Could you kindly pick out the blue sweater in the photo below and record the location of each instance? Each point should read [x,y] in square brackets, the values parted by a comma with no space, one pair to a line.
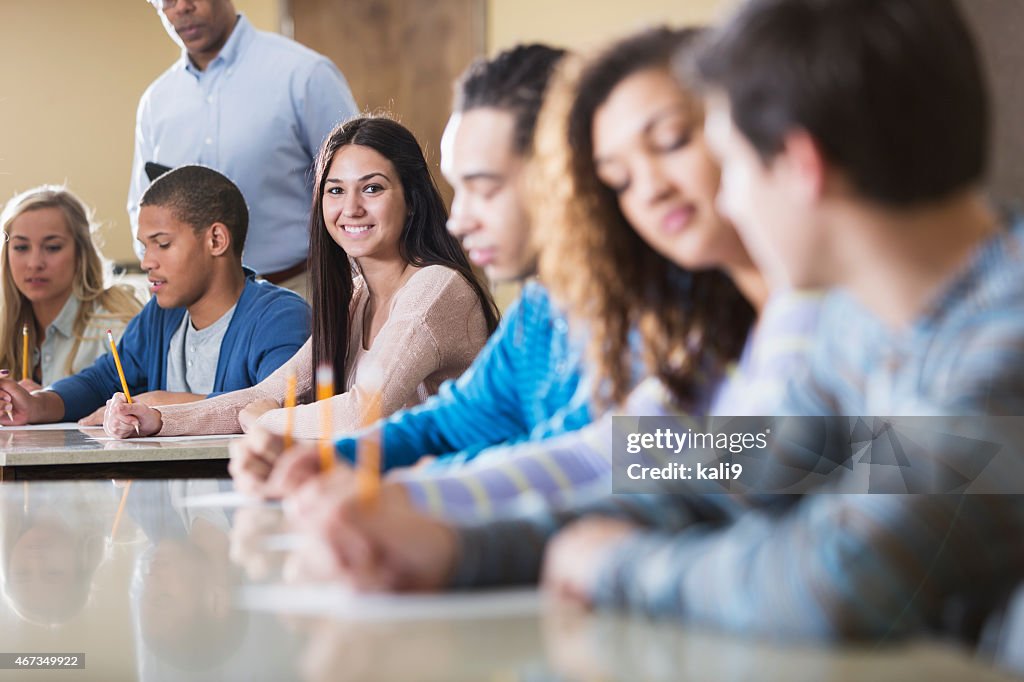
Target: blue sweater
[268,327]
[524,385]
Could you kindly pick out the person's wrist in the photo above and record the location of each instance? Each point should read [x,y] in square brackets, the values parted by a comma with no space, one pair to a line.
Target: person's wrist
[44,407]
[452,552]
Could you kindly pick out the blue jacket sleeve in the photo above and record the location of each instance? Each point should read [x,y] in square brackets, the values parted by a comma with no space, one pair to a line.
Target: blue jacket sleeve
[478,409]
[289,318]
[88,390]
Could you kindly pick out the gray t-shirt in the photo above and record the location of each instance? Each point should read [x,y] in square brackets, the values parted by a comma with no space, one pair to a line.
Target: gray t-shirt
[193,354]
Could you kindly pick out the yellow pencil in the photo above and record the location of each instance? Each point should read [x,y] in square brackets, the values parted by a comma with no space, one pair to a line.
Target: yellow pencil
[120,509]
[368,448]
[289,406]
[120,373]
[24,352]
[324,393]
[368,452]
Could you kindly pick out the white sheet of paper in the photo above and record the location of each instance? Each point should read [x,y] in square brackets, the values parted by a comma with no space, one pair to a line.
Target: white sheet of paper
[339,602]
[282,542]
[63,426]
[226,499]
[170,439]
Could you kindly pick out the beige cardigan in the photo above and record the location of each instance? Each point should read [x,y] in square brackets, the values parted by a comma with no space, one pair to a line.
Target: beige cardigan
[434,331]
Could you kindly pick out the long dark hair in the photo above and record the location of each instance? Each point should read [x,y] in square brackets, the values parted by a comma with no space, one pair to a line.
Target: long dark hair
[690,322]
[424,240]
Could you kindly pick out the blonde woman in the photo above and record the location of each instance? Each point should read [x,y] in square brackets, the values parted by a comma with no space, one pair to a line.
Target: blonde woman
[53,285]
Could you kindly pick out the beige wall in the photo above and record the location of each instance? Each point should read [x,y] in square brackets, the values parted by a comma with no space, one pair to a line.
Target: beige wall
[73,73]
[582,24]
[72,76]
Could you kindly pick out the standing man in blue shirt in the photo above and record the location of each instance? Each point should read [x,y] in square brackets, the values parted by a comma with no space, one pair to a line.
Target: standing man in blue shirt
[256,107]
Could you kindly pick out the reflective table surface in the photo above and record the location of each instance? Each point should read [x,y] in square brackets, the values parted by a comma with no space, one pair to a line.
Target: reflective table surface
[176,587]
[70,451]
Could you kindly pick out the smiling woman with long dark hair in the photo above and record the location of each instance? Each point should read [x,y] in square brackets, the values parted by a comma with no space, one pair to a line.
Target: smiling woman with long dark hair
[391,291]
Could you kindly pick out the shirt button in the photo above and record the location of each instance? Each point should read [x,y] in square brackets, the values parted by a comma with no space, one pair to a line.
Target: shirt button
[189,363]
[209,140]
[192,348]
[209,99]
[47,358]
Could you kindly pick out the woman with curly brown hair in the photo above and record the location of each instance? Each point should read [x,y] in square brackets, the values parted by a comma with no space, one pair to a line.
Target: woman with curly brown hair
[637,246]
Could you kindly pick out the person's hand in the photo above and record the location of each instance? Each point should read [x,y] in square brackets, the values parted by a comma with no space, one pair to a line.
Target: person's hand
[576,556]
[30,385]
[295,467]
[254,410]
[124,420]
[249,532]
[97,417]
[256,457]
[16,404]
[383,545]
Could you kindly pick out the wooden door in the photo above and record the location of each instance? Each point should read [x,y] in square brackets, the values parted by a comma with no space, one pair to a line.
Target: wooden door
[398,55]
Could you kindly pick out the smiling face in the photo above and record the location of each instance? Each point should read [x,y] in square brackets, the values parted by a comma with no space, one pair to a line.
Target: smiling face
[364,203]
[649,149]
[488,216]
[176,259]
[41,255]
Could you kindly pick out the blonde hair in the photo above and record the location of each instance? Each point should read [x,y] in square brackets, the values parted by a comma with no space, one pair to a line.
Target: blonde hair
[88,285]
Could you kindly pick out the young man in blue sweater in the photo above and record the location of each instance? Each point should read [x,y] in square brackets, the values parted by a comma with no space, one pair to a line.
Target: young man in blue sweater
[525,384]
[210,326]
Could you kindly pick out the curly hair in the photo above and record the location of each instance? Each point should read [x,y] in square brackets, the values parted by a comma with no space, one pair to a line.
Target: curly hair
[691,324]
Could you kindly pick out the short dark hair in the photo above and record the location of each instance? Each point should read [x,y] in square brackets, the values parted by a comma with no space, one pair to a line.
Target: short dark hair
[514,81]
[892,90]
[200,196]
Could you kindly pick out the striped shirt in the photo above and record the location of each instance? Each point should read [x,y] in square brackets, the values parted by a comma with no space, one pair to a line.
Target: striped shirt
[577,465]
[524,385]
[831,565]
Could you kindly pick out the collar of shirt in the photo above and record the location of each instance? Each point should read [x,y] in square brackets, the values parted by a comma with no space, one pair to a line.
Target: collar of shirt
[240,36]
[65,321]
[991,270]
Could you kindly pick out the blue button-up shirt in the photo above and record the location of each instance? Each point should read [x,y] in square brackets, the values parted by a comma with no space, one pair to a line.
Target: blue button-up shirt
[258,114]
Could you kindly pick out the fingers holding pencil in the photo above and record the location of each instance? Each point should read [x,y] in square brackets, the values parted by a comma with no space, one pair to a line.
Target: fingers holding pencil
[120,373]
[15,401]
[123,419]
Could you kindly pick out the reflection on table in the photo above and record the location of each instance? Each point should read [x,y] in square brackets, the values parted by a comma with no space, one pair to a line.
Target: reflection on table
[159,602]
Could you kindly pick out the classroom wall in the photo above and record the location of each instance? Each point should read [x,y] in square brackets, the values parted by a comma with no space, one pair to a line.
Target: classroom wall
[582,24]
[73,73]
[72,76]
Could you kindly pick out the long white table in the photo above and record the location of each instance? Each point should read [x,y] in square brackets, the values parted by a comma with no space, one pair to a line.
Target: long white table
[67,451]
[189,590]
